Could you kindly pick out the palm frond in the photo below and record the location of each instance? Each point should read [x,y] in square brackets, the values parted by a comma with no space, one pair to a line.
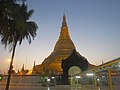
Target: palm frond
[16,25]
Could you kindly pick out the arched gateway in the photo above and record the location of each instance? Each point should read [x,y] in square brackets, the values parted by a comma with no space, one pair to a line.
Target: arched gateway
[74,64]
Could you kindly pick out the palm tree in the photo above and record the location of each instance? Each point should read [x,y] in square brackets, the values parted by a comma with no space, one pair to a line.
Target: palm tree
[8,11]
[18,28]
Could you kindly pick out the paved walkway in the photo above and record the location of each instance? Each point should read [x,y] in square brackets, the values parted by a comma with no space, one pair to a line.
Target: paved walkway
[57,87]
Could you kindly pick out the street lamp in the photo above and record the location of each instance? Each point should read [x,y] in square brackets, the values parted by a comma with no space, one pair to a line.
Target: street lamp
[9,60]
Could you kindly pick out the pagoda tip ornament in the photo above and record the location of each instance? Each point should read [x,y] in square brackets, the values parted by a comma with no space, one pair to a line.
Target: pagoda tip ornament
[64,24]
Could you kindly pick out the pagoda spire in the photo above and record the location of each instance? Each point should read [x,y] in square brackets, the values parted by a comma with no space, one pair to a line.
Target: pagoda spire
[64,42]
[34,69]
[34,65]
[64,24]
[22,68]
[64,34]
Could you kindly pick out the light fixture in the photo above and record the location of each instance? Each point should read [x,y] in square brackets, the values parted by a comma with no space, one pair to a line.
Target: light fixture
[48,79]
[89,74]
[98,79]
[52,77]
[77,76]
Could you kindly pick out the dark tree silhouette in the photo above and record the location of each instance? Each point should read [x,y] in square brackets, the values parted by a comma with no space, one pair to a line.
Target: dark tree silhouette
[15,26]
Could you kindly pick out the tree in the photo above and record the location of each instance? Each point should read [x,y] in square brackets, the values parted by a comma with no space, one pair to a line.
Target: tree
[15,26]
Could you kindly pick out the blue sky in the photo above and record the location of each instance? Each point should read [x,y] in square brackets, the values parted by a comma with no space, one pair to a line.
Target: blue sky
[94,27]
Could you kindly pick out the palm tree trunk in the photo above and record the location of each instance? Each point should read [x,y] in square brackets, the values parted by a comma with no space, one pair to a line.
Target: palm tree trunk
[11,67]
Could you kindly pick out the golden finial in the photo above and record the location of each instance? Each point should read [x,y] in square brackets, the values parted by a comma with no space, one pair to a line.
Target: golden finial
[64,24]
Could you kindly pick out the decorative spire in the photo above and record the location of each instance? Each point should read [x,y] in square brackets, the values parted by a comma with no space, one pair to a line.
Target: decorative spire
[34,69]
[64,24]
[64,42]
[64,34]
[23,68]
[34,64]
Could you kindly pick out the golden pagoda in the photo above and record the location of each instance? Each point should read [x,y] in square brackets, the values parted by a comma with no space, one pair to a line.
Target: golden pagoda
[22,72]
[33,71]
[63,48]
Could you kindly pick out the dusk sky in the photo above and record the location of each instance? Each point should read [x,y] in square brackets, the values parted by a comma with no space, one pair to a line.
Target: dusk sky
[94,27]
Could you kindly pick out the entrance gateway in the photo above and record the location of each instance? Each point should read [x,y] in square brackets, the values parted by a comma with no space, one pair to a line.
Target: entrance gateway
[72,65]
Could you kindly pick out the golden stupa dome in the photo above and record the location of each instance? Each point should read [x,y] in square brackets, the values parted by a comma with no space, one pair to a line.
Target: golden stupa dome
[63,48]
